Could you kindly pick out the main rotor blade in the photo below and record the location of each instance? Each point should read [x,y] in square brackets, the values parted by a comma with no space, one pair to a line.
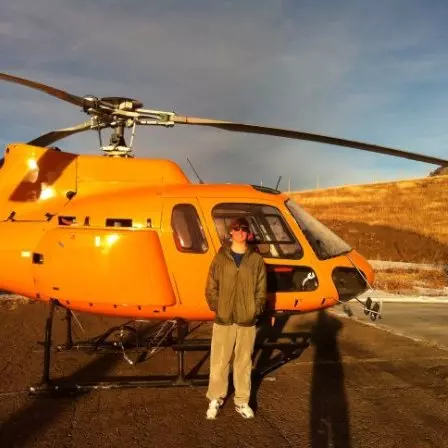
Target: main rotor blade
[298,135]
[54,136]
[65,96]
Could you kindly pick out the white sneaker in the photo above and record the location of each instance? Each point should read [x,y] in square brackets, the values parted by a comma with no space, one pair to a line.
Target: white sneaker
[244,410]
[213,409]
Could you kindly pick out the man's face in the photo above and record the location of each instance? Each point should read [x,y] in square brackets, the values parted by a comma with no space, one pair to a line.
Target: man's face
[239,234]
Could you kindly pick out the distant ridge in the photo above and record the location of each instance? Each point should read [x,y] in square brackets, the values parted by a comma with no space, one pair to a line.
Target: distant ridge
[404,220]
[443,172]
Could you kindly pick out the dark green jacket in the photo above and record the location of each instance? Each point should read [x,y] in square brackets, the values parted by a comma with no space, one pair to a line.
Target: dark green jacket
[236,295]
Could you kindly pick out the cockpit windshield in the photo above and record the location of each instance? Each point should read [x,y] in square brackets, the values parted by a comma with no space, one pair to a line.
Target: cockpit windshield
[324,242]
[269,231]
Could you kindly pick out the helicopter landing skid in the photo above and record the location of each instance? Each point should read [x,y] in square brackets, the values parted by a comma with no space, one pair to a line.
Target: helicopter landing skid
[373,308]
[100,345]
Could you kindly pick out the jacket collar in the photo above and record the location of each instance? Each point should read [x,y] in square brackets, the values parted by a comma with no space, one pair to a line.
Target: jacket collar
[226,249]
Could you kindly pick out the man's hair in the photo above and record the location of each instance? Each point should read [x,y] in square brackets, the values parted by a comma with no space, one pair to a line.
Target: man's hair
[238,222]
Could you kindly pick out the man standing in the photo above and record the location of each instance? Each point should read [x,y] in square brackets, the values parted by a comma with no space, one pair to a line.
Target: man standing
[236,292]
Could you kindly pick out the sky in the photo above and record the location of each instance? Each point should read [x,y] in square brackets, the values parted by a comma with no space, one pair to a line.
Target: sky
[375,71]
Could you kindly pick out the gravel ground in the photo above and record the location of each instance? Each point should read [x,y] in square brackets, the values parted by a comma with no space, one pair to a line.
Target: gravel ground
[353,386]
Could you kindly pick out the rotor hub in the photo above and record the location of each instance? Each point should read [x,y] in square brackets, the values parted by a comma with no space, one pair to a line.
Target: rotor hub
[123,103]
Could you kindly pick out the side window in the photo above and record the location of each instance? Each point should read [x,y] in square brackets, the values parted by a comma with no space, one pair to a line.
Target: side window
[188,234]
[269,231]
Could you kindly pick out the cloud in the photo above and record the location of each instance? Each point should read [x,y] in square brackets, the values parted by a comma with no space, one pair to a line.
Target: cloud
[351,69]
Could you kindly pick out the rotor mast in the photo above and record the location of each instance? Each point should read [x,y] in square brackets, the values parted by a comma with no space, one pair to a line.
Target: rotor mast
[126,113]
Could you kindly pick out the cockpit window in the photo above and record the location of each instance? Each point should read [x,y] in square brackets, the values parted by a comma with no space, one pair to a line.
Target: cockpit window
[269,231]
[324,242]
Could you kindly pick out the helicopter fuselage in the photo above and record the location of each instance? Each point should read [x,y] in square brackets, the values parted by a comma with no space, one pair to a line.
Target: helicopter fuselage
[135,238]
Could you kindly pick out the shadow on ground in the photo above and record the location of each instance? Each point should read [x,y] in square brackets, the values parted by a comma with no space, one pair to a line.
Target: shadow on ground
[267,359]
[329,413]
[25,425]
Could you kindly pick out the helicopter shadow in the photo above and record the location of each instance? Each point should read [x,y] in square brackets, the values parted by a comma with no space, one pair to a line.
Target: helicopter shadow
[268,357]
[329,417]
[273,348]
[329,413]
[25,426]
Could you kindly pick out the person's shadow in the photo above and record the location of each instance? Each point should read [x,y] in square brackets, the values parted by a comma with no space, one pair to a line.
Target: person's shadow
[329,416]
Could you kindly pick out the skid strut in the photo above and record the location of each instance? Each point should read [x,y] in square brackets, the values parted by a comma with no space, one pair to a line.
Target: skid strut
[64,385]
[173,336]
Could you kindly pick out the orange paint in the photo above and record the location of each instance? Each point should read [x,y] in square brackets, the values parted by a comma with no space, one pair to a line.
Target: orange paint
[96,233]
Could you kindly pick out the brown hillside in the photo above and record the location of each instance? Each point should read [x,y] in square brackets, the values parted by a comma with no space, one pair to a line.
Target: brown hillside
[397,221]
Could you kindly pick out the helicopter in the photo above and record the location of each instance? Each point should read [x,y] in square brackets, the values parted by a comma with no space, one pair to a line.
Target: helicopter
[117,235]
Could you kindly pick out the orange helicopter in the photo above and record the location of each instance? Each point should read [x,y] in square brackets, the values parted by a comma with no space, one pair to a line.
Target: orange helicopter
[114,235]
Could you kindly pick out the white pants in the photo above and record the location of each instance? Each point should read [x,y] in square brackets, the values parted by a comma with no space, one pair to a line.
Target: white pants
[226,340]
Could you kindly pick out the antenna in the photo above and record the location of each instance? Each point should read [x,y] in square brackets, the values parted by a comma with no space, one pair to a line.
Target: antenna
[278,182]
[197,175]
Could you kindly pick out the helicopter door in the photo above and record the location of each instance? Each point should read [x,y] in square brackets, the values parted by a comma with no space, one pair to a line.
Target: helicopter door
[188,249]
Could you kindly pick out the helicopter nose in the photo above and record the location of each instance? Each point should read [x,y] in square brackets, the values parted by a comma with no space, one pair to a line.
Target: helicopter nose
[363,265]
[354,278]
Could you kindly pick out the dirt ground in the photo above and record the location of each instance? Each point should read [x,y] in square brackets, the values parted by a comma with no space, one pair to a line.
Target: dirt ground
[349,386]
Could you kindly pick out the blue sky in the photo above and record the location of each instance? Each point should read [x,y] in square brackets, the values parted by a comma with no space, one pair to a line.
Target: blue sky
[375,71]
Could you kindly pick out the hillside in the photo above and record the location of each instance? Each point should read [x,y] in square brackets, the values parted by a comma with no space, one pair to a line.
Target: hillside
[394,221]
